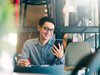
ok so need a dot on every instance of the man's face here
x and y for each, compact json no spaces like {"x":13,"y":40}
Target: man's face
{"x":46,"y":31}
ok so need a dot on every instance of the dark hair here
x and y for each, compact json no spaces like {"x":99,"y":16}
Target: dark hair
{"x":69,"y":40}
{"x":45,"y":19}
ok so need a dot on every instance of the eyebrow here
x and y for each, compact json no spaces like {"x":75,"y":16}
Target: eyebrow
{"x":48,"y":27}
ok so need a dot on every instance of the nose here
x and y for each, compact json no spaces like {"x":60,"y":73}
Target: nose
{"x":49,"y":31}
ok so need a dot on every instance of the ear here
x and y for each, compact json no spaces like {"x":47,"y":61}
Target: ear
{"x":38,"y":27}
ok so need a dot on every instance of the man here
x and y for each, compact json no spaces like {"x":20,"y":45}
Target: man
{"x":41,"y":51}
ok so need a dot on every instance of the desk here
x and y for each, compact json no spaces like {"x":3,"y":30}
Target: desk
{"x":7,"y":73}
{"x":53,"y":70}
{"x":12,"y":73}
{"x":27,"y":74}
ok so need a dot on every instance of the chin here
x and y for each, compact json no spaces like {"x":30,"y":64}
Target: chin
{"x":47,"y":38}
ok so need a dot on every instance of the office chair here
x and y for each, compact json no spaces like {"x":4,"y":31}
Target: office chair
{"x":91,"y":62}
{"x":75,"y":51}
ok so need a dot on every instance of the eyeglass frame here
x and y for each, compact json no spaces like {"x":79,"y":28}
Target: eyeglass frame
{"x":48,"y":29}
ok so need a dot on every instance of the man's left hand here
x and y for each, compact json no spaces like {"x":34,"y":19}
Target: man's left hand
{"x":58,"y":52}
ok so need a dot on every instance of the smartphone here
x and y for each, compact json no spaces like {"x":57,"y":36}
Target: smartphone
{"x":58,"y":41}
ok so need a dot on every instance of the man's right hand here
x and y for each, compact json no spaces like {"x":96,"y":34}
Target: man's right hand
{"x":25,"y":63}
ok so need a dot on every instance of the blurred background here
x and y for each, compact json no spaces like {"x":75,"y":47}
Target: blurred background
{"x":9,"y":10}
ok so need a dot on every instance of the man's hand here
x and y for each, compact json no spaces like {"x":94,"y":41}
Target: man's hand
{"x":25,"y":63}
{"x":58,"y":52}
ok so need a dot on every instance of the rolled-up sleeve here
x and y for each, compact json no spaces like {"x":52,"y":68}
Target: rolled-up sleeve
{"x":60,"y":61}
{"x":24,"y":54}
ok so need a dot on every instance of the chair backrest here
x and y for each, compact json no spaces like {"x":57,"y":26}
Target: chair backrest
{"x":90,"y":62}
{"x":75,"y":51}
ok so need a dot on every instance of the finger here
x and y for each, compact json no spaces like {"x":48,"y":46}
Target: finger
{"x":55,"y":53}
{"x":55,"y":47}
{"x":25,"y":63}
{"x":56,"y":50}
{"x":61,"y":47}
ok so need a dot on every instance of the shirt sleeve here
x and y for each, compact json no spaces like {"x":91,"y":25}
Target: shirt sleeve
{"x":60,"y":61}
{"x":24,"y":54}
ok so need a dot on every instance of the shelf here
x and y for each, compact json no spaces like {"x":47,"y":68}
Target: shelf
{"x":27,"y":29}
{"x":35,"y":2}
{"x":88,"y":29}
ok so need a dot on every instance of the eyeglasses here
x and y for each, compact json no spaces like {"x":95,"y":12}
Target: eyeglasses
{"x":48,"y":29}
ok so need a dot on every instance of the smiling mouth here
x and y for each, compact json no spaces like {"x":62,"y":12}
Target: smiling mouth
{"x":47,"y":36}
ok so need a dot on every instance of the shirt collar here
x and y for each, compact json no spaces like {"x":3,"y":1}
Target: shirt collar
{"x":50,"y":42}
